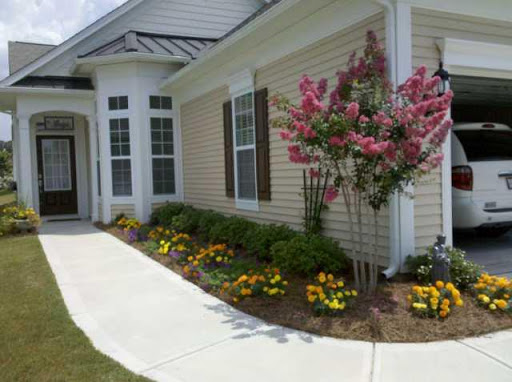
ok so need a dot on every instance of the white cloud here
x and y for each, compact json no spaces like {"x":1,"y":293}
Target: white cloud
{"x":44,"y":21}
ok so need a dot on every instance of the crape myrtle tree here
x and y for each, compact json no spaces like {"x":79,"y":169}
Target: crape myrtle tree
{"x":372,"y":139}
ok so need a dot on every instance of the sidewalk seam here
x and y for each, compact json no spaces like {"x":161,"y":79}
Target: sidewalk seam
{"x":483,"y":352}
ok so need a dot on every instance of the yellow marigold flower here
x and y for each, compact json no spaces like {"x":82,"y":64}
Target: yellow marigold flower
{"x":502,"y":304}
{"x":443,"y":313}
{"x":347,"y":293}
{"x":321,"y":296}
{"x":272,"y":281}
{"x":439,"y":284}
{"x":492,"y":306}
{"x":450,"y":286}
{"x":326,"y":302}
{"x":265,"y":289}
{"x":319,"y":290}
{"x":311,"y":298}
{"x":434,"y":301}
{"x":311,"y":288}
{"x":321,"y":277}
{"x":339,"y":295}
{"x":354,"y":292}
{"x":341,"y":284}
{"x":446,"y":302}
{"x":486,"y":299}
{"x":330,"y":277}
{"x":459,"y":302}
{"x":285,"y":283}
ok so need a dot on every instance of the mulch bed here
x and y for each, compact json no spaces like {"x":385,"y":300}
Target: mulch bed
{"x":396,"y":323}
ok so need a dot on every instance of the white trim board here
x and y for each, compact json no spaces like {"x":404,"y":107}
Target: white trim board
{"x":71,"y":42}
{"x":474,"y":58}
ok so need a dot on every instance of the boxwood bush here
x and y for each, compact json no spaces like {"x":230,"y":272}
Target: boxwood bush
{"x":188,"y":220}
{"x":207,"y":221}
{"x":259,"y":241}
{"x":231,"y":231}
{"x":308,"y":255}
{"x":165,"y":214}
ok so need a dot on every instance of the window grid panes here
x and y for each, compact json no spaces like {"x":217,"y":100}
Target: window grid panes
{"x":245,"y":149}
{"x":244,"y":120}
{"x":118,"y":103}
{"x":162,"y":151}
{"x":121,"y":177}
{"x":160,"y":103}
{"x":119,"y":137}
{"x":120,"y":153}
{"x":56,"y":165}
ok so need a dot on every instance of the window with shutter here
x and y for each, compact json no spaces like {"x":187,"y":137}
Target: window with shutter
{"x":246,"y":146}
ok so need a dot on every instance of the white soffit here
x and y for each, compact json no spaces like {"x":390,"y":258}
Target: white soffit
{"x":474,"y":58}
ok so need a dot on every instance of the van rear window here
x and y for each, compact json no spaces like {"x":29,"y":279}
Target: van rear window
{"x":486,"y":145}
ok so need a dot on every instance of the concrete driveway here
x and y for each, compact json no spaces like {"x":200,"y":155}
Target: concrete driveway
{"x":495,"y":254}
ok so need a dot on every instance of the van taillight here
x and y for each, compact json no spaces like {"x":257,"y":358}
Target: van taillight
{"x":462,"y":178}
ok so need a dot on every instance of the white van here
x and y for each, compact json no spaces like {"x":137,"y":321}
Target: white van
{"x":482,"y":177}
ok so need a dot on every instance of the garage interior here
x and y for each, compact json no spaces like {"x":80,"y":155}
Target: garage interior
{"x":480,"y":99}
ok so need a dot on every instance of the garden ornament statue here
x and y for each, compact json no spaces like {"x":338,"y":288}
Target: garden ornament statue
{"x":440,"y":261}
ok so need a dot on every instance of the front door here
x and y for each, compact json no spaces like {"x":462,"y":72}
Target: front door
{"x":56,"y":175}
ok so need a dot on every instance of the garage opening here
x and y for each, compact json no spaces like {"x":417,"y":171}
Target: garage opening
{"x":482,"y":171}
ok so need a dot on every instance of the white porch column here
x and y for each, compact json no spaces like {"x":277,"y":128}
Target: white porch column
{"x":15,"y":150}
{"x":93,"y":154}
{"x":25,"y":187}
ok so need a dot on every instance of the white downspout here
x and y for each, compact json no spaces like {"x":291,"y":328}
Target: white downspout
{"x":394,"y":207}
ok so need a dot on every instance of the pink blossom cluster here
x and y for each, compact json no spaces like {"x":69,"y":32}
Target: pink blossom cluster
{"x":402,"y":131}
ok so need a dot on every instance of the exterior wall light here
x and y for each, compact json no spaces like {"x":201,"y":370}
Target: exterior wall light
{"x":444,"y":84}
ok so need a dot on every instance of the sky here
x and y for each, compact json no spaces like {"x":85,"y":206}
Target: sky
{"x":47,"y":22}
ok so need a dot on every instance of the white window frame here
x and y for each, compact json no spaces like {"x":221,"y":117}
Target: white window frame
{"x":244,"y":204}
{"x":163,"y":114}
{"x":120,"y":114}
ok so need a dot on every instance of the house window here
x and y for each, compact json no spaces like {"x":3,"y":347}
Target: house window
{"x":244,"y":147}
{"x":160,"y":103}
{"x":118,"y":103}
{"x":162,"y":152}
{"x":120,"y":154}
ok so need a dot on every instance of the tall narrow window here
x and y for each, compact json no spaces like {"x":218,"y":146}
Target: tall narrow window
{"x":244,"y":147}
{"x":120,"y":153}
{"x":162,"y":151}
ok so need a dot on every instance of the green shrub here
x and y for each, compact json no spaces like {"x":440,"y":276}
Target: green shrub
{"x":259,"y":240}
{"x":231,"y":231}
{"x":143,"y":232}
{"x":464,"y":273}
{"x":165,"y":214}
{"x":208,"y":220}
{"x":308,"y":255}
{"x":188,"y":220}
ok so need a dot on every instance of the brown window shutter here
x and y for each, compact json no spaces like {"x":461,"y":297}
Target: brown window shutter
{"x":262,"y":144}
{"x":228,"y":150}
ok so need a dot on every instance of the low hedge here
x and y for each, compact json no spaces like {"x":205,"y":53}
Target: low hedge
{"x":291,"y":251}
{"x":308,"y":255}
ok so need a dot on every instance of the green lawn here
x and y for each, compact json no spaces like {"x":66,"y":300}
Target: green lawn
{"x":6,"y":197}
{"x":38,"y":339}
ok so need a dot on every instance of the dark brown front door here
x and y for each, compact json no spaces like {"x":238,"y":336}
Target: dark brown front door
{"x":56,"y":175}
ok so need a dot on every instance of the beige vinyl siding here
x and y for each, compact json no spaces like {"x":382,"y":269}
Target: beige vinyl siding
{"x":203,"y":138}
{"x":127,"y":209}
{"x":427,"y":27}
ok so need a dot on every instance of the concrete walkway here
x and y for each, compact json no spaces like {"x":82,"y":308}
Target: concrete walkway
{"x":156,"y":324}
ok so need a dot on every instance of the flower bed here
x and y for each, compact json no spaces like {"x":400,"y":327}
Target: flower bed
{"x":305,"y":297}
{"x":18,"y":219}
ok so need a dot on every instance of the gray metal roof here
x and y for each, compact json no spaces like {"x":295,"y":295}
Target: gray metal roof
{"x":55,"y":82}
{"x":167,"y":45}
